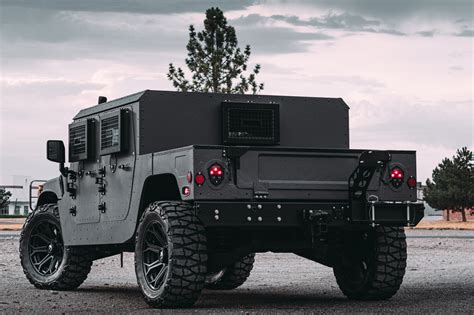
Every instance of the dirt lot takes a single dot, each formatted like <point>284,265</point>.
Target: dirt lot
<point>445,225</point>
<point>11,224</point>
<point>439,279</point>
<point>17,224</point>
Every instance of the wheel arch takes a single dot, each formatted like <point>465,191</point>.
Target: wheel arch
<point>47,197</point>
<point>158,188</point>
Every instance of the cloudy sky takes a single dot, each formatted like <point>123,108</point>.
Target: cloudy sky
<point>404,67</point>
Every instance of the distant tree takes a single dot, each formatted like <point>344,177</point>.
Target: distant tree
<point>4,198</point>
<point>452,186</point>
<point>215,61</point>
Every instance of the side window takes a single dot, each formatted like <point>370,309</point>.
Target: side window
<point>25,210</point>
<point>17,210</point>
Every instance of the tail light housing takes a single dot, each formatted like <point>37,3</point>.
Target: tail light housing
<point>411,182</point>
<point>396,176</point>
<point>216,174</point>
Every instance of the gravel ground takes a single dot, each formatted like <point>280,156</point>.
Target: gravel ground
<point>439,279</point>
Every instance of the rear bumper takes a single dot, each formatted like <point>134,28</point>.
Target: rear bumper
<point>299,214</point>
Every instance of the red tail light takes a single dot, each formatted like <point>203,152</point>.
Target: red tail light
<point>199,179</point>
<point>186,191</point>
<point>216,174</point>
<point>411,182</point>
<point>396,176</point>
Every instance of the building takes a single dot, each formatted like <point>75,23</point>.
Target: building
<point>19,187</point>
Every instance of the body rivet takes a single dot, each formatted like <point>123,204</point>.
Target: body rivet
<point>259,219</point>
<point>278,206</point>
<point>216,217</point>
<point>249,219</point>
<point>259,206</point>
<point>249,207</point>
<point>279,219</point>
<point>216,211</point>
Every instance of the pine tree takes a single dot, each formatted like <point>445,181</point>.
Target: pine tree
<point>215,61</point>
<point>4,198</point>
<point>452,186</point>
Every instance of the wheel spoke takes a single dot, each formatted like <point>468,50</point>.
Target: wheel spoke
<point>159,276</point>
<point>42,236</point>
<point>154,248</point>
<point>38,249</point>
<point>51,265</point>
<point>152,266</point>
<point>43,261</point>
<point>157,236</point>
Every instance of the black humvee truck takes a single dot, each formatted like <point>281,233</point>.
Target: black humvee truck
<point>196,183</point>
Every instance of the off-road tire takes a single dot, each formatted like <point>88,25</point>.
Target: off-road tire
<point>385,267</point>
<point>234,275</point>
<point>75,265</point>
<point>185,254</point>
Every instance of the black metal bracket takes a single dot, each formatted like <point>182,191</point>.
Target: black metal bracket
<point>101,207</point>
<point>369,163</point>
<point>232,156</point>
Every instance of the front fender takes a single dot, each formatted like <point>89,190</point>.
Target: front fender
<point>52,191</point>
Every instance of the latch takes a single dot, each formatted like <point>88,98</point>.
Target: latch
<point>101,171</point>
<point>71,189</point>
<point>124,167</point>
<point>70,184</point>
<point>100,180</point>
<point>73,211</point>
<point>102,207</point>
<point>260,190</point>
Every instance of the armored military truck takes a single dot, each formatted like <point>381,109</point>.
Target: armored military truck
<point>196,183</point>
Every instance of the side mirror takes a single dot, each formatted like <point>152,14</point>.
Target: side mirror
<point>55,151</point>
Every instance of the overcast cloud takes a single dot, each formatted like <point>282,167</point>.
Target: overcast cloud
<point>404,67</point>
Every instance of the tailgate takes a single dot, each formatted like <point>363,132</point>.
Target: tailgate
<point>322,174</point>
